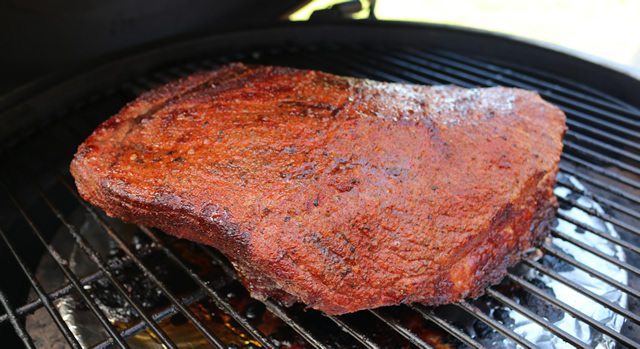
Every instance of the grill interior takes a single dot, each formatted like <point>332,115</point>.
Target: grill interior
<point>38,202</point>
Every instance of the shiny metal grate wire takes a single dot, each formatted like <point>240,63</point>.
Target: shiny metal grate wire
<point>37,198</point>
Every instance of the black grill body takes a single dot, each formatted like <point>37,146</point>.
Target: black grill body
<point>43,124</point>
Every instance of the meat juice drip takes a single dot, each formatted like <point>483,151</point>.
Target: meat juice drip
<point>186,336</point>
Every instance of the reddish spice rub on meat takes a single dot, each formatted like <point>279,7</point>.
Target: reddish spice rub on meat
<point>341,193</point>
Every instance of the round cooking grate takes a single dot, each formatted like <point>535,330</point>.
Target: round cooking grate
<point>595,246</point>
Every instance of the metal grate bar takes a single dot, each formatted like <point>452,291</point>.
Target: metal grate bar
<point>296,61</point>
<point>310,61</point>
<point>451,329</point>
<point>599,299</point>
<point>600,184</point>
<point>147,81</point>
<point>55,315</point>
<point>594,97</point>
<point>572,123</point>
<point>304,59</point>
<point>548,326</point>
<point>348,66</point>
<point>478,314</point>
<point>157,316</point>
<point>424,59</point>
<point>105,270</point>
<point>403,331</point>
<point>482,76</point>
<point>597,232</point>
<point>599,157</point>
<point>607,218</point>
<point>17,325</point>
<point>412,71</point>
<point>602,200</point>
<point>207,64</point>
<point>395,74</point>
<point>220,302</point>
<point>132,90</point>
<point>190,67</point>
<point>211,338</point>
<point>570,310</point>
<point>601,171</point>
<point>282,314</point>
<point>176,73</point>
<point>221,261</point>
<point>367,69</point>
<point>63,265</point>
<point>345,66</point>
<point>492,71</point>
<point>605,146</point>
<point>58,293</point>
<point>355,333</point>
<point>428,68</point>
<point>62,291</point>
<point>555,252</point>
<point>592,250</point>
<point>601,132</point>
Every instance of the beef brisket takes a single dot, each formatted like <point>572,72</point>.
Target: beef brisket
<point>341,193</point>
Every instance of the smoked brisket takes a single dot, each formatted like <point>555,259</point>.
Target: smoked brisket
<point>341,193</point>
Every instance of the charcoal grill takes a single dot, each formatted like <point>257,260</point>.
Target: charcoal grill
<point>43,126</point>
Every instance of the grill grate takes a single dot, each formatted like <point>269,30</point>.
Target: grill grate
<point>602,150</point>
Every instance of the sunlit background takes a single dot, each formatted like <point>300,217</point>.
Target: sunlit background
<point>609,29</point>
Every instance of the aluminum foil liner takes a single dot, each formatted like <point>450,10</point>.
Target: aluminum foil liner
<point>577,300</point>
